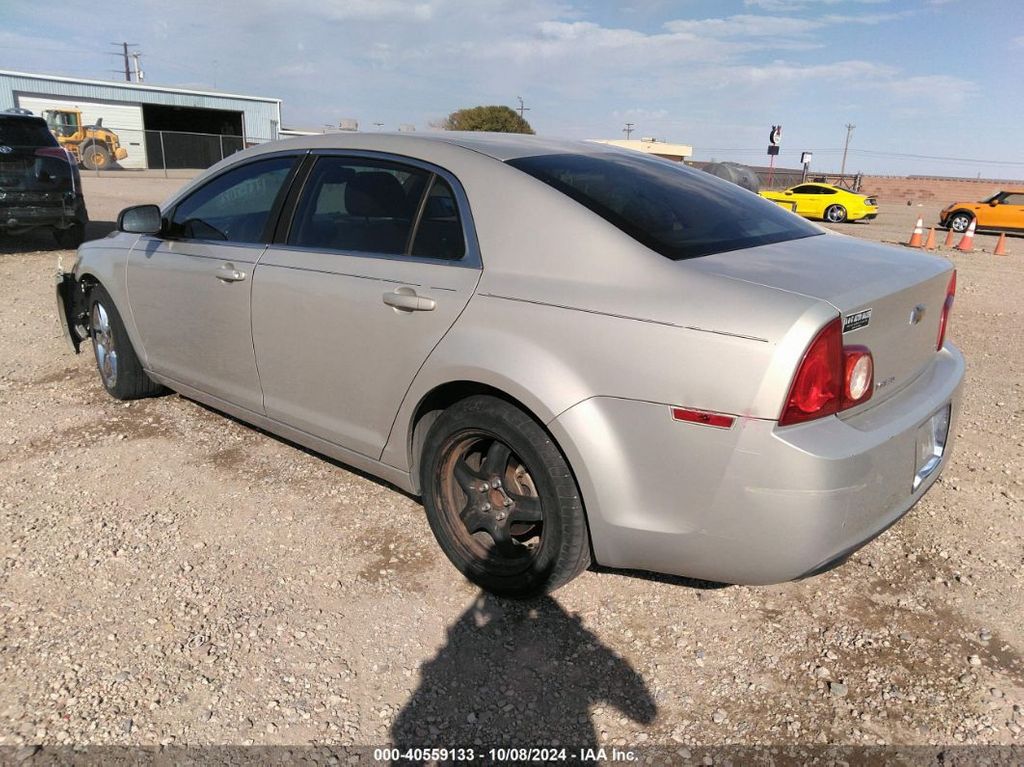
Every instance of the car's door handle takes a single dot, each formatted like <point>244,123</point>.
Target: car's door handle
<point>228,273</point>
<point>407,300</point>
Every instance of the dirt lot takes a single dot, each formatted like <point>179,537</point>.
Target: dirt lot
<point>173,576</point>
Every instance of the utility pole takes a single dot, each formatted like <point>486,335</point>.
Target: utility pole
<point>124,53</point>
<point>379,125</point>
<point>846,146</point>
<point>137,60</point>
<point>628,130</point>
<point>522,107</point>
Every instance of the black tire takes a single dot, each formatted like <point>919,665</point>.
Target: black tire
<point>510,552</point>
<point>835,214</point>
<point>113,350</point>
<point>95,157</point>
<point>71,237</point>
<point>959,221</point>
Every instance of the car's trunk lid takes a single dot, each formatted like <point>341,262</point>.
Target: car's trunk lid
<point>890,299</point>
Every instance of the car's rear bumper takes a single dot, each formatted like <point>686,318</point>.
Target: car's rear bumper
<point>47,209</point>
<point>755,503</point>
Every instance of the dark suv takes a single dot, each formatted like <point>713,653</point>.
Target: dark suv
<point>39,182</point>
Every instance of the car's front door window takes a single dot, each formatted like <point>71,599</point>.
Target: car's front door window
<point>235,206</point>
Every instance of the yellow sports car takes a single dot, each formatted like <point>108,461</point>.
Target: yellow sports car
<point>826,202</point>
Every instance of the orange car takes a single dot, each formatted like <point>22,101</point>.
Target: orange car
<point>1003,211</point>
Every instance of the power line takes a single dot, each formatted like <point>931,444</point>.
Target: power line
<point>522,107</point>
<point>628,130</point>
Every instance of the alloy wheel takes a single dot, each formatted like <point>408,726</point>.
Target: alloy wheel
<point>103,342</point>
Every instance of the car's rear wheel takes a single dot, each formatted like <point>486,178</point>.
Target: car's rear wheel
<point>119,367</point>
<point>959,222</point>
<point>835,214</point>
<point>501,500</point>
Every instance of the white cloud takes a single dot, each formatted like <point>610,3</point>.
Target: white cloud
<point>799,5</point>
<point>745,25</point>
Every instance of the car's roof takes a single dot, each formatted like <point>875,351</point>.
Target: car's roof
<point>500,146</point>
<point>19,116</point>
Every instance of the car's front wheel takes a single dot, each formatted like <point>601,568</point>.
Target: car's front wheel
<point>959,222</point>
<point>835,214</point>
<point>119,367</point>
<point>501,500</point>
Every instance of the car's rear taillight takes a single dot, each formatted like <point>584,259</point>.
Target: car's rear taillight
<point>830,378</point>
<point>946,308</point>
<point>858,376</point>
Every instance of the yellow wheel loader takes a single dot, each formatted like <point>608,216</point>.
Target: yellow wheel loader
<point>93,146</point>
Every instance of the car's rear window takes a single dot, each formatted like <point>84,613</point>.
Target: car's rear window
<point>676,211</point>
<point>17,131</point>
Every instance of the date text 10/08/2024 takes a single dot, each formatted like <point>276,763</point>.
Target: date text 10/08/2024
<point>504,754</point>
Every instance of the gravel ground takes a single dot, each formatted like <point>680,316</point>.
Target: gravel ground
<point>170,575</point>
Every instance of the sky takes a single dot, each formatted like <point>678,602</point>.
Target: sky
<point>932,86</point>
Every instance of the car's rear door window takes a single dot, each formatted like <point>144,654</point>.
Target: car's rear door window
<point>676,211</point>
<point>235,206</point>
<point>359,205</point>
<point>439,232</point>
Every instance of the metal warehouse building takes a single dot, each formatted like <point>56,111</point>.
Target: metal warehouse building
<point>160,127</point>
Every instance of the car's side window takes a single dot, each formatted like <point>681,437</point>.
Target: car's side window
<point>1013,198</point>
<point>359,205</point>
<point>233,207</point>
<point>806,189</point>
<point>439,233</point>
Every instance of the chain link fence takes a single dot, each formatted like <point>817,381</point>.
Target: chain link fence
<point>170,153</point>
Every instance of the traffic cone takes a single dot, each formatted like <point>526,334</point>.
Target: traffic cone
<point>930,244</point>
<point>915,238</point>
<point>1000,246</point>
<point>966,244</point>
<point>948,242</point>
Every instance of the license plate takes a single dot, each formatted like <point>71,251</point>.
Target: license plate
<point>931,444</point>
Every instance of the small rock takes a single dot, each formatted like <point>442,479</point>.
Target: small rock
<point>974,660</point>
<point>719,716</point>
<point>984,635</point>
<point>838,689</point>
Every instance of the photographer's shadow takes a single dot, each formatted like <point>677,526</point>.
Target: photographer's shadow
<point>522,674</point>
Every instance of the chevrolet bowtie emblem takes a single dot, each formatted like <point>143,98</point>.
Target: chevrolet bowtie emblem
<point>917,314</point>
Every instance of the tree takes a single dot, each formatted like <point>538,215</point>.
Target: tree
<point>499,119</point>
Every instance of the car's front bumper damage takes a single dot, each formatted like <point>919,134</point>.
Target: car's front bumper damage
<point>72,309</point>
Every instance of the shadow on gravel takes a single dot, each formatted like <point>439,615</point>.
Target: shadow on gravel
<point>518,674</point>
<point>42,239</point>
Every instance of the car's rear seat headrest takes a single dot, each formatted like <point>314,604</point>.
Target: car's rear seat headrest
<point>375,194</point>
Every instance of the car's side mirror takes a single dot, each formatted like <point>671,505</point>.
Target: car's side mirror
<point>788,192</point>
<point>993,203</point>
<point>140,219</point>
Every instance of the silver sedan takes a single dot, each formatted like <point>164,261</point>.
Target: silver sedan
<point>573,353</point>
